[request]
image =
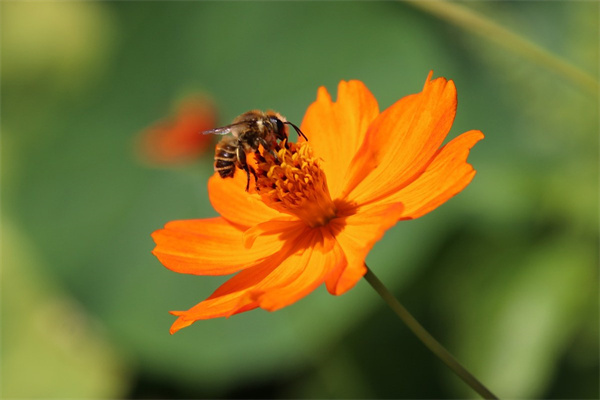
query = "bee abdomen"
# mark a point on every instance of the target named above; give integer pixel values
(226, 151)
(225, 168)
(225, 156)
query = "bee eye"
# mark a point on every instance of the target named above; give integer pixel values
(279, 127)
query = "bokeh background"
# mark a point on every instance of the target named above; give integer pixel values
(505, 275)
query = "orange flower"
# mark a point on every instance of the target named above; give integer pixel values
(179, 140)
(319, 209)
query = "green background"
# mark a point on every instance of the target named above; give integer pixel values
(505, 275)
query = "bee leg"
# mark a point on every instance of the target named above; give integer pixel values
(268, 148)
(255, 179)
(249, 170)
(248, 177)
(242, 164)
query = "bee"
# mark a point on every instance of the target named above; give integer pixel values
(249, 131)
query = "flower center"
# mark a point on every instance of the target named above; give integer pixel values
(295, 184)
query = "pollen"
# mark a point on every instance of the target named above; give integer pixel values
(294, 183)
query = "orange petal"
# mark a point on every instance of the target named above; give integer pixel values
(335, 131)
(447, 174)
(209, 247)
(229, 198)
(226, 300)
(356, 233)
(274, 283)
(286, 229)
(401, 141)
(317, 266)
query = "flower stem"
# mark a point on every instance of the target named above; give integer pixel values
(470, 20)
(426, 337)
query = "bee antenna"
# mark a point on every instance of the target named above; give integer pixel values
(298, 131)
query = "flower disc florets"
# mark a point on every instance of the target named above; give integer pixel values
(295, 184)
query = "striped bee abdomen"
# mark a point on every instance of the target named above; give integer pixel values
(225, 158)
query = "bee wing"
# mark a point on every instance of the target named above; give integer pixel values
(224, 130)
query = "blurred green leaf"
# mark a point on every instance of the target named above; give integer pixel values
(50, 347)
(511, 319)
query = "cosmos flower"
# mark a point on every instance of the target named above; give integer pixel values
(176, 140)
(318, 209)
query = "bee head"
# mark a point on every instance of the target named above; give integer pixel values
(279, 127)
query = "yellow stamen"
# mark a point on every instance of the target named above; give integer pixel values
(295, 184)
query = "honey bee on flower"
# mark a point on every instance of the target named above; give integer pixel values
(320, 206)
(249, 131)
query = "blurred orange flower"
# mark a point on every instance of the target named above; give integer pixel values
(178, 139)
(316, 212)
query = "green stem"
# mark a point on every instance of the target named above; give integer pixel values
(426, 337)
(470, 20)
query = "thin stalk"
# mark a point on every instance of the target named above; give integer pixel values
(425, 337)
(478, 24)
